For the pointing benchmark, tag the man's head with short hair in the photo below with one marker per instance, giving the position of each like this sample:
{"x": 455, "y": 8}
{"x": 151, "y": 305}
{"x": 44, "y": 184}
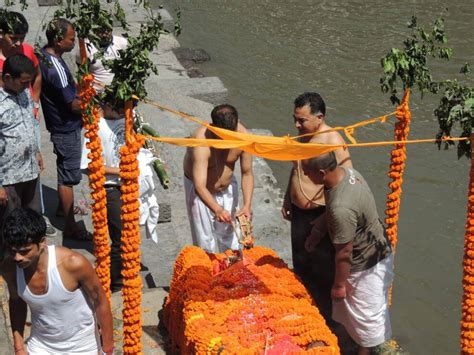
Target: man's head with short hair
{"x": 319, "y": 167}
{"x": 225, "y": 116}
{"x": 61, "y": 35}
{"x": 313, "y": 100}
{"x": 17, "y": 73}
{"x": 13, "y": 23}
{"x": 13, "y": 29}
{"x": 309, "y": 112}
{"x": 24, "y": 233}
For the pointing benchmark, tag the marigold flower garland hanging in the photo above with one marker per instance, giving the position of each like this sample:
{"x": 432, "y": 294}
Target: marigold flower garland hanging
{"x": 91, "y": 117}
{"x": 467, "y": 306}
{"x": 132, "y": 283}
{"x": 397, "y": 168}
{"x": 255, "y": 306}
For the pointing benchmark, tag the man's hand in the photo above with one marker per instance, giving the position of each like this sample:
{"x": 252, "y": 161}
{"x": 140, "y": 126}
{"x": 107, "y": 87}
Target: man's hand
{"x": 39, "y": 159}
{"x": 246, "y": 212}
{"x": 286, "y": 208}
{"x": 21, "y": 351}
{"x": 223, "y": 216}
{"x": 318, "y": 231}
{"x": 312, "y": 242}
{"x": 3, "y": 196}
{"x": 338, "y": 292}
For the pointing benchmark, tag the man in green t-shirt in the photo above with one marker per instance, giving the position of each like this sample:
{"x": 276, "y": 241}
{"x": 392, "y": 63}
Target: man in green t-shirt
{"x": 364, "y": 262}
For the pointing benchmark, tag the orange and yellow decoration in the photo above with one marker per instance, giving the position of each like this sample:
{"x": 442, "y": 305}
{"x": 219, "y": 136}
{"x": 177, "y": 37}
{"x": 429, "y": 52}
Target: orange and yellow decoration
{"x": 96, "y": 178}
{"x": 253, "y": 306}
{"x": 397, "y": 168}
{"x": 467, "y": 306}
{"x": 132, "y": 283}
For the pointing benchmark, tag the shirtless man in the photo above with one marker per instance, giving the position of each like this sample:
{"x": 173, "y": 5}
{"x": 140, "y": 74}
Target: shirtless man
{"x": 61, "y": 289}
{"x": 304, "y": 206}
{"x": 211, "y": 188}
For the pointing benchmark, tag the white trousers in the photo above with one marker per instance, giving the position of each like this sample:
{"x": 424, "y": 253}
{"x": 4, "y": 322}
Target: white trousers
{"x": 208, "y": 233}
{"x": 364, "y": 312}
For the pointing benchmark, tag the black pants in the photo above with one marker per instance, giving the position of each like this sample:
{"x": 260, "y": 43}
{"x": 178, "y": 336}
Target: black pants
{"x": 114, "y": 205}
{"x": 316, "y": 269}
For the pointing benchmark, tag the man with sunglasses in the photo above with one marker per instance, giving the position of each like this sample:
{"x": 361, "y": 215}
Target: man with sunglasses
{"x": 304, "y": 205}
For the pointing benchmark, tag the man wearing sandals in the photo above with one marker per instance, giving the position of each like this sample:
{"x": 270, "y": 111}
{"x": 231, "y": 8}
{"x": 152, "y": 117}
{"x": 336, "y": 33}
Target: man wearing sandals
{"x": 304, "y": 205}
{"x": 62, "y": 113}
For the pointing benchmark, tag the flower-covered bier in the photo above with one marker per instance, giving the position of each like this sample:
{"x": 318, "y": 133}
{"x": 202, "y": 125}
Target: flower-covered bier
{"x": 254, "y": 306}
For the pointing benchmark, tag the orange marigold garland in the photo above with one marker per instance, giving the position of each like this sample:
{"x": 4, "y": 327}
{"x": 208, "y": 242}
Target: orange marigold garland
{"x": 467, "y": 307}
{"x": 397, "y": 168}
{"x": 255, "y": 306}
{"x": 91, "y": 117}
{"x": 132, "y": 283}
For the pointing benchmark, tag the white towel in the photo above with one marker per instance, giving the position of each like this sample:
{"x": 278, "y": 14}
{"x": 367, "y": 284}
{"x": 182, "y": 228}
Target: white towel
{"x": 364, "y": 312}
{"x": 208, "y": 233}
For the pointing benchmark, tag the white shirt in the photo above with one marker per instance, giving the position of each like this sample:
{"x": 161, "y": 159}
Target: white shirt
{"x": 112, "y": 137}
{"x": 102, "y": 74}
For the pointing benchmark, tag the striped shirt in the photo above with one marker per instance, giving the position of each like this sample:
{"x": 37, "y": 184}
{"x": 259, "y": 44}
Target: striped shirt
{"x": 58, "y": 90}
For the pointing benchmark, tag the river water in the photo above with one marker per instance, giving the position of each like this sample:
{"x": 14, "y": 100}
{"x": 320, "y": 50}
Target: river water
{"x": 268, "y": 51}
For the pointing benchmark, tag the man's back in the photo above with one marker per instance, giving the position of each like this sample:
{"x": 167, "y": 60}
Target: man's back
{"x": 352, "y": 217}
{"x": 58, "y": 92}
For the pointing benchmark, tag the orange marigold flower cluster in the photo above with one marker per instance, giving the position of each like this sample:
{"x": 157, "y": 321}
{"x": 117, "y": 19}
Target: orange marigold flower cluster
{"x": 397, "y": 168}
{"x": 130, "y": 239}
{"x": 467, "y": 307}
{"x": 254, "y": 306}
{"x": 96, "y": 182}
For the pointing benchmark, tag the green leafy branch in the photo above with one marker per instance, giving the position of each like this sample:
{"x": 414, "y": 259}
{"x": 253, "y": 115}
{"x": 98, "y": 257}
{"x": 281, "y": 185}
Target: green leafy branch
{"x": 456, "y": 106}
{"x": 134, "y": 66}
{"x": 410, "y": 64}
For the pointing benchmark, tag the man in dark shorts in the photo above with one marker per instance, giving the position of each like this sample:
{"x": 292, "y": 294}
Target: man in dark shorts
{"x": 62, "y": 113}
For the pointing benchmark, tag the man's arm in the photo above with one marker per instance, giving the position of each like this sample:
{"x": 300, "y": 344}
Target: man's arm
{"x": 343, "y": 270}
{"x": 200, "y": 160}
{"x": 85, "y": 275}
{"x": 17, "y": 309}
{"x": 286, "y": 208}
{"x": 75, "y": 106}
{"x": 37, "y": 85}
{"x": 247, "y": 184}
{"x": 342, "y": 154}
{"x": 342, "y": 226}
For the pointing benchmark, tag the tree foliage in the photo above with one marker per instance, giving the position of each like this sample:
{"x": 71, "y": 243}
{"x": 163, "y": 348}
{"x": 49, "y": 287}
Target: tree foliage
{"x": 409, "y": 68}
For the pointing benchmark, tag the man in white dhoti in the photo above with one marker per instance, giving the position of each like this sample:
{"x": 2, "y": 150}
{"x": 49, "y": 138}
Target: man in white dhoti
{"x": 211, "y": 188}
{"x": 364, "y": 260}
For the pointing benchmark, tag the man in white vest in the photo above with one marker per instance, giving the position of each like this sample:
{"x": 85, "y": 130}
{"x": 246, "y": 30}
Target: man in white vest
{"x": 61, "y": 289}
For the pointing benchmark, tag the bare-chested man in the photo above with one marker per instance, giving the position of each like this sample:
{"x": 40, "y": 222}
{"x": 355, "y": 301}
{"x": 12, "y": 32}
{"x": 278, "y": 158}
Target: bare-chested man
{"x": 211, "y": 189}
{"x": 304, "y": 206}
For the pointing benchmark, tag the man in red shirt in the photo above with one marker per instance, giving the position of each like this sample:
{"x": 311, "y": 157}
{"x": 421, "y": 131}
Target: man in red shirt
{"x": 13, "y": 29}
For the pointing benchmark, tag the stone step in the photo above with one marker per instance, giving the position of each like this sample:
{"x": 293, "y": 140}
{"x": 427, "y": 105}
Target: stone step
{"x": 209, "y": 89}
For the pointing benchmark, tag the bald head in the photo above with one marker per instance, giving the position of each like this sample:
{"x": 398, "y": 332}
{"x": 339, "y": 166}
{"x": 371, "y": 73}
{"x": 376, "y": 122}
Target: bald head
{"x": 326, "y": 162}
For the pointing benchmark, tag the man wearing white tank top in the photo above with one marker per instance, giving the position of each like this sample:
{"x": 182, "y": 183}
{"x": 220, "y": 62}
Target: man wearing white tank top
{"x": 61, "y": 289}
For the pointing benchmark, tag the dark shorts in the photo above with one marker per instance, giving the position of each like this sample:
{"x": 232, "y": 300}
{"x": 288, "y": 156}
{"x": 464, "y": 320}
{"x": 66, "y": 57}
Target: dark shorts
{"x": 67, "y": 147}
{"x": 23, "y": 194}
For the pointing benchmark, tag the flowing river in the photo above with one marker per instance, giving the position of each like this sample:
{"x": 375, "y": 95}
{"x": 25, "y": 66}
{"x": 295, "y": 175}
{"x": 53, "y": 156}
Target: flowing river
{"x": 268, "y": 51}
